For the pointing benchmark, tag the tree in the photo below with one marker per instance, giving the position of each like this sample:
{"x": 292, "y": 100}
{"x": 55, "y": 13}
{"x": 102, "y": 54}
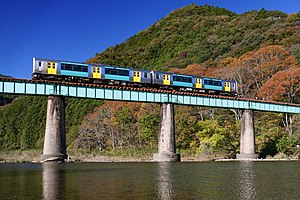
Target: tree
{"x": 282, "y": 86}
{"x": 253, "y": 69}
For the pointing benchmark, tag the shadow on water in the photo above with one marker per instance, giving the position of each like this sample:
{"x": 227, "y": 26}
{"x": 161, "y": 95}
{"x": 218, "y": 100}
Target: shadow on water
{"x": 246, "y": 181}
{"x": 165, "y": 178}
{"x": 53, "y": 180}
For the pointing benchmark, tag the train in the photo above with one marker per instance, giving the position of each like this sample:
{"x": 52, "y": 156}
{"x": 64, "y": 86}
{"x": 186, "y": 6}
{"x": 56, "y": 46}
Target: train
{"x": 47, "y": 69}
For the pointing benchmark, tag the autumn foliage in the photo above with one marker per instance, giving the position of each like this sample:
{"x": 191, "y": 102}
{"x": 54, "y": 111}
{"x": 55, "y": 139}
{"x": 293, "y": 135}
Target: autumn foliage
{"x": 282, "y": 86}
{"x": 254, "y": 68}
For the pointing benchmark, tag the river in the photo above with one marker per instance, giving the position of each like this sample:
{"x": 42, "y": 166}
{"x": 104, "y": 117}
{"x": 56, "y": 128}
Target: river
{"x": 197, "y": 180}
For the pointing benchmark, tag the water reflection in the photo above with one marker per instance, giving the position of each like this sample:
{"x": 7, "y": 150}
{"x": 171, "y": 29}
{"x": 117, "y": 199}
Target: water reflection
{"x": 246, "y": 181}
{"x": 165, "y": 181}
{"x": 52, "y": 181}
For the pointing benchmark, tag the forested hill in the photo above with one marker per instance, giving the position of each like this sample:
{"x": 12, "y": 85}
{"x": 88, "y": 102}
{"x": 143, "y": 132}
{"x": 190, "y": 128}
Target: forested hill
{"x": 203, "y": 35}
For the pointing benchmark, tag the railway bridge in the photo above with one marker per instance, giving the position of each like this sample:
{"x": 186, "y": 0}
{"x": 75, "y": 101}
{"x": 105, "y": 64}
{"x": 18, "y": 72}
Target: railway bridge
{"x": 55, "y": 138}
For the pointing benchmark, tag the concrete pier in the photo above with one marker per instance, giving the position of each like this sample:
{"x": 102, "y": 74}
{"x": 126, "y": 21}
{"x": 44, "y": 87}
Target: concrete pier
{"x": 247, "y": 146}
{"x": 55, "y": 133}
{"x": 167, "y": 143}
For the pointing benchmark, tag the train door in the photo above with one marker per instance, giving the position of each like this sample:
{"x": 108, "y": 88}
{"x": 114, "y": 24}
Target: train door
{"x": 227, "y": 86}
{"x": 166, "y": 79}
{"x": 233, "y": 88}
{"x": 198, "y": 83}
{"x": 52, "y": 67}
{"x": 96, "y": 72}
{"x": 136, "y": 76}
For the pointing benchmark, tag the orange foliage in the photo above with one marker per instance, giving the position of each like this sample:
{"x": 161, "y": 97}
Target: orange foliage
{"x": 253, "y": 69}
{"x": 284, "y": 85}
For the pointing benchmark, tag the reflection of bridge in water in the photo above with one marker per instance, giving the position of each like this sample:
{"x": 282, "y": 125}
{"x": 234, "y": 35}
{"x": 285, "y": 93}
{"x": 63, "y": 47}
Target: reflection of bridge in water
{"x": 55, "y": 140}
{"x": 165, "y": 181}
{"x": 53, "y": 181}
{"x": 246, "y": 181}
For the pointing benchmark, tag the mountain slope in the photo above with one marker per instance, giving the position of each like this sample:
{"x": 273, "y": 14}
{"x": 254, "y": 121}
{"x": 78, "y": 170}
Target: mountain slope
{"x": 202, "y": 35}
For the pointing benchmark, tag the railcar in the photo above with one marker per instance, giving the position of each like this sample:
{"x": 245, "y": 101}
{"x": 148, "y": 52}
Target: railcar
{"x": 104, "y": 74}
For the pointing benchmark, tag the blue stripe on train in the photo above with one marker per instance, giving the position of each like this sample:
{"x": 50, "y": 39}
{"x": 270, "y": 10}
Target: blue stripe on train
{"x": 74, "y": 73}
{"x": 212, "y": 87}
{"x": 116, "y": 77}
{"x": 183, "y": 84}
{"x": 81, "y": 64}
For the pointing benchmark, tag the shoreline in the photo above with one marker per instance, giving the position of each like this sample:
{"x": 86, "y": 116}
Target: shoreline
{"x": 34, "y": 156}
{"x": 107, "y": 159}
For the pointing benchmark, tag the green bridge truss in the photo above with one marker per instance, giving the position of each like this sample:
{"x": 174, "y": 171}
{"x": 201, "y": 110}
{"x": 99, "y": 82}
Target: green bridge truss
{"x": 27, "y": 87}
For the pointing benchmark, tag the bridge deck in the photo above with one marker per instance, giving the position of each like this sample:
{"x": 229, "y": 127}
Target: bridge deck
{"x": 92, "y": 91}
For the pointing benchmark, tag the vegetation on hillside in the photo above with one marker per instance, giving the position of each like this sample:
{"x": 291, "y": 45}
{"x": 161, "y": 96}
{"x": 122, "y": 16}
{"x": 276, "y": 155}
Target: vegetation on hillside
{"x": 203, "y": 35}
{"x": 22, "y": 123}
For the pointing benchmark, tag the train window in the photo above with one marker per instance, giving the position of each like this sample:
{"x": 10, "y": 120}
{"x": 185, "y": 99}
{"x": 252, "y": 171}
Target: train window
{"x": 182, "y": 79}
{"x": 66, "y": 67}
{"x": 98, "y": 69}
{"x": 53, "y": 66}
{"x": 49, "y": 66}
{"x": 107, "y": 71}
{"x": 40, "y": 64}
{"x": 123, "y": 72}
{"x": 94, "y": 69}
{"x": 217, "y": 83}
{"x": 211, "y": 82}
{"x": 207, "y": 82}
{"x": 76, "y": 68}
{"x": 157, "y": 76}
{"x": 116, "y": 72}
{"x": 145, "y": 75}
{"x": 138, "y": 74}
{"x": 134, "y": 73}
{"x": 84, "y": 69}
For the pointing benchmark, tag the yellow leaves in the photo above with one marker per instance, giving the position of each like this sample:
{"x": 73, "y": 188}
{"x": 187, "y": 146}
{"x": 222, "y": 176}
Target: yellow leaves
{"x": 226, "y": 62}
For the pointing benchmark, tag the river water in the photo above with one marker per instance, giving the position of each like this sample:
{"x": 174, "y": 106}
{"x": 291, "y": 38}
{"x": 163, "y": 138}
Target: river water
{"x": 201, "y": 180}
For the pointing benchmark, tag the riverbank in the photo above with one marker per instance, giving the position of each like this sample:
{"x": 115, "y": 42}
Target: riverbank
{"x": 118, "y": 155}
{"x": 75, "y": 155}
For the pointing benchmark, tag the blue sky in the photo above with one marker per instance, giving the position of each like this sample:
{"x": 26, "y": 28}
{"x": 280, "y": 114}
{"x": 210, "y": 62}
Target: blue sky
{"x": 76, "y": 30}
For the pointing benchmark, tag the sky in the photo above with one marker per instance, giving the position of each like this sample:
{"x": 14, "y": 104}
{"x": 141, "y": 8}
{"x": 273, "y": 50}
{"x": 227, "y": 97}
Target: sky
{"x": 75, "y": 30}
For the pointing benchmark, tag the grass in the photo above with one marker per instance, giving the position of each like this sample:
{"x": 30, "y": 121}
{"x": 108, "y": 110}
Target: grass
{"x": 134, "y": 154}
{"x": 125, "y": 154}
{"x": 16, "y": 156}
